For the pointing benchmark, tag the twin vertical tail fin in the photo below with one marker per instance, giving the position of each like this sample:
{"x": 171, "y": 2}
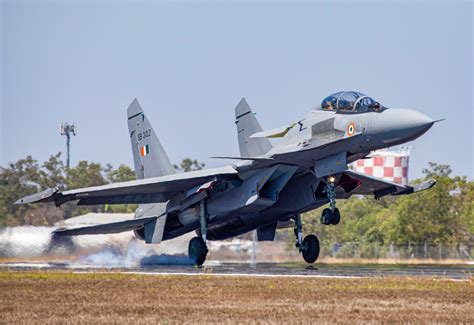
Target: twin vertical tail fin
{"x": 247, "y": 125}
{"x": 149, "y": 157}
{"x": 151, "y": 160}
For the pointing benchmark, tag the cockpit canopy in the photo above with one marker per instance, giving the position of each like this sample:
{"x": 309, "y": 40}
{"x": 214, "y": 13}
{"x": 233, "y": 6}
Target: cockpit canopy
{"x": 350, "y": 102}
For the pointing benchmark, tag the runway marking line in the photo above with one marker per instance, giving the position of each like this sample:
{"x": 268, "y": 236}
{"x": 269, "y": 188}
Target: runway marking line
{"x": 302, "y": 276}
{"x": 210, "y": 272}
{"x": 235, "y": 274}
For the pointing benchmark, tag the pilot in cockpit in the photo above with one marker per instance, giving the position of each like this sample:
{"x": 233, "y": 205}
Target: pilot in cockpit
{"x": 328, "y": 106}
{"x": 376, "y": 107}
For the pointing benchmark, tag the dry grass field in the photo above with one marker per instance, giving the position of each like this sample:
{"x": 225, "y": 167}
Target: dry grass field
{"x": 59, "y": 297}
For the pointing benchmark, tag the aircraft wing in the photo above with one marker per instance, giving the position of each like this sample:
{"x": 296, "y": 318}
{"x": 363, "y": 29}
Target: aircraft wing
{"x": 149, "y": 190}
{"x": 368, "y": 185}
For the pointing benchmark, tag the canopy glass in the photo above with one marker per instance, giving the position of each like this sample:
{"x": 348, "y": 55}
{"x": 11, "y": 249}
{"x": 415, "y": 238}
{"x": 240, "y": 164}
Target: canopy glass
{"x": 350, "y": 102}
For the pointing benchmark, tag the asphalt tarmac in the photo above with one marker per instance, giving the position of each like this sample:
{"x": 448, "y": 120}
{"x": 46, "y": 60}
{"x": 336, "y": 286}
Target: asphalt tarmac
{"x": 455, "y": 272}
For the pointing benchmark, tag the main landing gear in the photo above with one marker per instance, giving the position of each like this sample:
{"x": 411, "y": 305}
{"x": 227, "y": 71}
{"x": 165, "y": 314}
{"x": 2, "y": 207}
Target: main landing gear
{"x": 197, "y": 249}
{"x": 309, "y": 246}
{"x": 331, "y": 215}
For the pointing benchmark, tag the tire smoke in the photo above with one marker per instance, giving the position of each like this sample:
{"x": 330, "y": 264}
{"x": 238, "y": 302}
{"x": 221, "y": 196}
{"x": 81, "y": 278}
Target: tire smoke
{"x": 109, "y": 251}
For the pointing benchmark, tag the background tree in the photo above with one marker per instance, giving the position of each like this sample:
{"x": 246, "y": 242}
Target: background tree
{"x": 122, "y": 174}
{"x": 25, "y": 177}
{"x": 427, "y": 217}
{"x": 188, "y": 164}
{"x": 440, "y": 217}
{"x": 17, "y": 180}
{"x": 52, "y": 173}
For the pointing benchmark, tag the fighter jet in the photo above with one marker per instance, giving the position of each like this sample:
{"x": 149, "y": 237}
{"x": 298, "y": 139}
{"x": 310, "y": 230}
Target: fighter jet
{"x": 269, "y": 186}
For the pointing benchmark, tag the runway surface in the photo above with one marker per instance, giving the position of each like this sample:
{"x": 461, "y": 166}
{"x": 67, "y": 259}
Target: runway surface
{"x": 455, "y": 272}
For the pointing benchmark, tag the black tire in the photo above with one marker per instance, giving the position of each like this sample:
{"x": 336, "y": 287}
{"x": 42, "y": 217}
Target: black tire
{"x": 311, "y": 248}
{"x": 326, "y": 216}
{"x": 336, "y": 217}
{"x": 197, "y": 251}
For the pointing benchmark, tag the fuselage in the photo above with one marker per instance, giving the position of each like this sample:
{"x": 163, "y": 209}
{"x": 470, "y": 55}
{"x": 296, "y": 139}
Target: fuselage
{"x": 261, "y": 198}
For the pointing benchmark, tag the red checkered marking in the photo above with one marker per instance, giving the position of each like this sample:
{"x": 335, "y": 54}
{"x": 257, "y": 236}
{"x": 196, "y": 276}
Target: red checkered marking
{"x": 388, "y": 172}
{"x": 378, "y": 161}
{"x": 388, "y": 167}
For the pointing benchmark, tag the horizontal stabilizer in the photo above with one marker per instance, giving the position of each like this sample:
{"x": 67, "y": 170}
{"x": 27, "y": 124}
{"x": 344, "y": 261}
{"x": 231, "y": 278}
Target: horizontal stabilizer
{"x": 108, "y": 228}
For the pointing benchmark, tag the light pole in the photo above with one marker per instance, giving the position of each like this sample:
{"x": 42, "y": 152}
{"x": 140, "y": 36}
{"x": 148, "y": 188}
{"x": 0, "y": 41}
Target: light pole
{"x": 67, "y": 129}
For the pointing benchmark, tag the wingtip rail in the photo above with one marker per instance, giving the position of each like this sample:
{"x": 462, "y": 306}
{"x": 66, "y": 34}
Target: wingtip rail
{"x": 426, "y": 185}
{"x": 47, "y": 195}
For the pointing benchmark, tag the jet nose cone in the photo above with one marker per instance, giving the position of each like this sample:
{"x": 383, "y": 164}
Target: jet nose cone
{"x": 402, "y": 125}
{"x": 412, "y": 119}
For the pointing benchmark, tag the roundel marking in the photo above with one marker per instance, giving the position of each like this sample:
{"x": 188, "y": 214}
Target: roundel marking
{"x": 351, "y": 129}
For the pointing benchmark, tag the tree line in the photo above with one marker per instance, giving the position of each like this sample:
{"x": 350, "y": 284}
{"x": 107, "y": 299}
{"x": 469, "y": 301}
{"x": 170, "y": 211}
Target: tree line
{"x": 442, "y": 216}
{"x": 27, "y": 176}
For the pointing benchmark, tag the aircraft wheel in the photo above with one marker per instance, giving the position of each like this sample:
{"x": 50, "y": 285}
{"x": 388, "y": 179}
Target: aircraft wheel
{"x": 310, "y": 249}
{"x": 197, "y": 250}
{"x": 326, "y": 216}
{"x": 336, "y": 217}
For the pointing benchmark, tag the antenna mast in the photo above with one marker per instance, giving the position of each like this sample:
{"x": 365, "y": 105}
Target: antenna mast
{"x": 67, "y": 129}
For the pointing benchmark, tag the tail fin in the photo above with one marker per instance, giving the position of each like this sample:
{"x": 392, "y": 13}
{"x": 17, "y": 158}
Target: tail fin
{"x": 149, "y": 157}
{"x": 247, "y": 125}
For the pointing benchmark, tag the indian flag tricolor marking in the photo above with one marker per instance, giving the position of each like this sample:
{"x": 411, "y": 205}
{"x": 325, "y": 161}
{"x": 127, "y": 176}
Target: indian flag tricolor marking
{"x": 144, "y": 150}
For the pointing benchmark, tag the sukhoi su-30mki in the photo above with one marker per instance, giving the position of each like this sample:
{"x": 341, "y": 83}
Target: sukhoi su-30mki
{"x": 268, "y": 186}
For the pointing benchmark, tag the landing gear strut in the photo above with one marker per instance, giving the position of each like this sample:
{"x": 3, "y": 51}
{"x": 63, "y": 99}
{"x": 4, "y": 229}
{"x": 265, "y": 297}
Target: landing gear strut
{"x": 331, "y": 215}
{"x": 309, "y": 246}
{"x": 197, "y": 249}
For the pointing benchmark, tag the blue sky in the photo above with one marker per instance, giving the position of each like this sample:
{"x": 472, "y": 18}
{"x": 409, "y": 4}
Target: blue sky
{"x": 189, "y": 65}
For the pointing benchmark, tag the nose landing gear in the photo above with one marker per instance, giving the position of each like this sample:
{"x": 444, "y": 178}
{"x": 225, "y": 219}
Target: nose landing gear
{"x": 331, "y": 215}
{"x": 309, "y": 246}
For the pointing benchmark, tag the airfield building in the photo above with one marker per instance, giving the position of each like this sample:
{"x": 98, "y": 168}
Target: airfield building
{"x": 390, "y": 165}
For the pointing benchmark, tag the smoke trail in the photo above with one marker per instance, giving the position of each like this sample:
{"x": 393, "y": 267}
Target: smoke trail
{"x": 135, "y": 255}
{"x": 106, "y": 257}
{"x": 26, "y": 241}
{"x": 118, "y": 250}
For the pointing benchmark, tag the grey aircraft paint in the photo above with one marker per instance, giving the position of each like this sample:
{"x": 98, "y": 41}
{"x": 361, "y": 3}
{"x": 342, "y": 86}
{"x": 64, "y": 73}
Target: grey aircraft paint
{"x": 149, "y": 157}
{"x": 247, "y": 125}
{"x": 266, "y": 188}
